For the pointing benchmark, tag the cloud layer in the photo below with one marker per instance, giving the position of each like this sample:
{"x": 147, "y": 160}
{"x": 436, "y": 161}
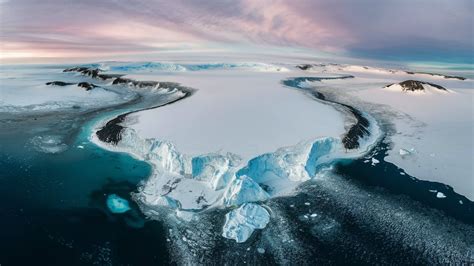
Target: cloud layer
{"x": 368, "y": 28}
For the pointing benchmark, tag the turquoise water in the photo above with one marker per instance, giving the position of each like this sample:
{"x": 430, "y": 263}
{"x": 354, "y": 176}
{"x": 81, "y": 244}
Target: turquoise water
{"x": 53, "y": 206}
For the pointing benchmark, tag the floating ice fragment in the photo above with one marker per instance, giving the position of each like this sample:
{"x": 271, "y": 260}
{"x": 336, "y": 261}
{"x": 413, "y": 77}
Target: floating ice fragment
{"x": 313, "y": 215}
{"x": 117, "y": 204}
{"x": 460, "y": 202}
{"x": 307, "y": 203}
{"x": 375, "y": 161}
{"x": 440, "y": 195}
{"x": 241, "y": 222}
{"x": 80, "y": 147}
{"x": 261, "y": 250}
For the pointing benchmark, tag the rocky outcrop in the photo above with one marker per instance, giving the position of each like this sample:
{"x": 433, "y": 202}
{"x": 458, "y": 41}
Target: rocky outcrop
{"x": 59, "y": 83}
{"x": 416, "y": 85}
{"x": 92, "y": 72}
{"x": 86, "y": 85}
{"x": 358, "y": 130}
{"x": 436, "y": 74}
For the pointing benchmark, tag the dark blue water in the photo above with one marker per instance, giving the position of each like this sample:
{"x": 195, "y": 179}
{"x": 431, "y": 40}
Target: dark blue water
{"x": 53, "y": 209}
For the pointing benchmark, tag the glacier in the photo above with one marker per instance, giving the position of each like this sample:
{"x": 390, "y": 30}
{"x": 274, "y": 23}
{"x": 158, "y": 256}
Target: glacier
{"x": 188, "y": 184}
{"x": 241, "y": 222}
{"x": 243, "y": 189}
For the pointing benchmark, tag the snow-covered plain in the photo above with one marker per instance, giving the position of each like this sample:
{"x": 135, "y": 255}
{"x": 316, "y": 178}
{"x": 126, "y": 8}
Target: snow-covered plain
{"x": 244, "y": 112}
{"x": 433, "y": 129}
{"x": 24, "y": 89}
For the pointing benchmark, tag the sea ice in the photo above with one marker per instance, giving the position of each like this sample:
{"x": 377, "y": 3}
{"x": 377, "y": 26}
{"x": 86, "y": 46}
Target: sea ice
{"x": 440, "y": 195}
{"x": 49, "y": 144}
{"x": 241, "y": 222}
{"x": 117, "y": 204}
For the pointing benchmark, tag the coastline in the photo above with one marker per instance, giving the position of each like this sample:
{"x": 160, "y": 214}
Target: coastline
{"x": 368, "y": 140}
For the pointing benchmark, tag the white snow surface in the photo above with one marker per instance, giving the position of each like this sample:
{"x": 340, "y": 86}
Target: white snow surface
{"x": 435, "y": 127}
{"x": 24, "y": 89}
{"x": 242, "y": 112}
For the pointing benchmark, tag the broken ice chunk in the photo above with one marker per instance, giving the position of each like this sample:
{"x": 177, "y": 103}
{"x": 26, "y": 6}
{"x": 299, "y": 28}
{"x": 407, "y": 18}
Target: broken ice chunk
{"x": 241, "y": 222}
{"x": 375, "y": 161}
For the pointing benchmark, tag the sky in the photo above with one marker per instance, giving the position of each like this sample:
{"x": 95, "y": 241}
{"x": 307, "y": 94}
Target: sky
{"x": 436, "y": 30}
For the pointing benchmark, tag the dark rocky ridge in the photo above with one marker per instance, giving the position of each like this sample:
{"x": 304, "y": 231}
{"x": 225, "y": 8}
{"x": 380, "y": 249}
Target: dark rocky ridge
{"x": 112, "y": 131}
{"x": 86, "y": 85}
{"x": 360, "y": 129}
{"x": 304, "y": 66}
{"x": 416, "y": 85}
{"x": 119, "y": 80}
{"x": 93, "y": 72}
{"x": 59, "y": 83}
{"x": 436, "y": 74}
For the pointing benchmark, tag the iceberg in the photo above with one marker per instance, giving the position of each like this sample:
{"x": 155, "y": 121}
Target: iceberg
{"x": 241, "y": 222}
{"x": 117, "y": 204}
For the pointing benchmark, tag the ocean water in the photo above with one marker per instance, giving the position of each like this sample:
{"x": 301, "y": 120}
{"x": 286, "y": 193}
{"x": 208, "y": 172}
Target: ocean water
{"x": 53, "y": 206}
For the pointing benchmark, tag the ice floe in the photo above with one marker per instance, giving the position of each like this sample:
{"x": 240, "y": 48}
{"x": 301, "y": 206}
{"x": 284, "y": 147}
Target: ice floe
{"x": 241, "y": 222}
{"x": 117, "y": 204}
